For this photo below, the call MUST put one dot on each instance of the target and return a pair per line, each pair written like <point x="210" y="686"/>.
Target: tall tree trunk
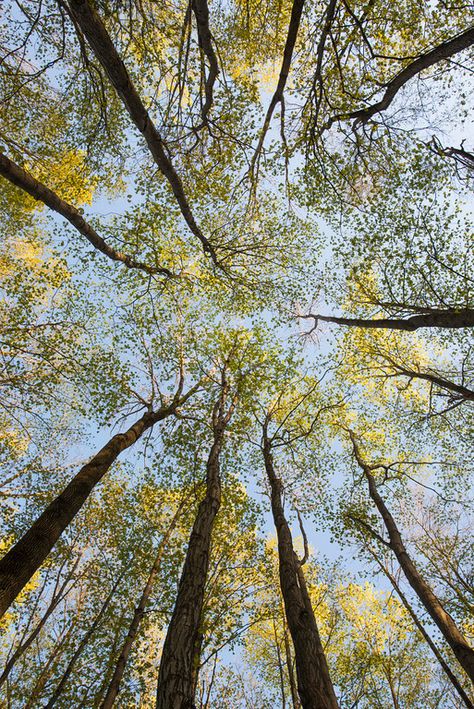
<point x="176" y="678"/>
<point x="107" y="672"/>
<point x="453" y="636"/>
<point x="114" y="685"/>
<point x="26" y="556"/>
<point x="80" y="648"/>
<point x="314" y="683"/>
<point x="290" y="669"/>
<point x="280" y="667"/>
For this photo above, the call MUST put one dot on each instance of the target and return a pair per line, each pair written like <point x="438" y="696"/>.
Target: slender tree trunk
<point x="177" y="673"/>
<point x="22" y="179"/>
<point x="58" y="594"/>
<point x="109" y="669"/>
<point x="80" y="648"/>
<point x="445" y="667"/>
<point x="289" y="665"/>
<point x="453" y="636"/>
<point x="114" y="685"/>
<point x="314" y="683"/>
<point x="86" y="17"/>
<point x="280" y="667"/>
<point x="43" y="677"/>
<point x="26" y="556"/>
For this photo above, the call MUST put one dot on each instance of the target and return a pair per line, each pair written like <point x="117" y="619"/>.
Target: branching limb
<point x="104" y="49"/>
<point x="22" y="179"/>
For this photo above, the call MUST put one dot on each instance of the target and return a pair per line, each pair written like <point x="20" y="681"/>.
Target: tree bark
<point x="453" y="318"/>
<point x="114" y="685"/>
<point x="58" y="594"/>
<point x="289" y="666"/>
<point x="36" y="189"/>
<point x="27" y="555"/>
<point x="453" y="636"/>
<point x="176" y="679"/>
<point x="314" y="683"/>
<point x="443" y="51"/>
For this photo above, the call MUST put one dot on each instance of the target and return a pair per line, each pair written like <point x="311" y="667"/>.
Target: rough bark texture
<point x="22" y="179"/>
<point x="291" y="674"/>
<point x="456" y="640"/>
<point x="314" y="683"/>
<point x="455" y="318"/>
<point x="27" y="555"/>
<point x="114" y="685"/>
<point x="177" y="676"/>
<point x="101" y="44"/>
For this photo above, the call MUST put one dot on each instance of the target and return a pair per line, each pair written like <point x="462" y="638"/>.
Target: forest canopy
<point x="236" y="374"/>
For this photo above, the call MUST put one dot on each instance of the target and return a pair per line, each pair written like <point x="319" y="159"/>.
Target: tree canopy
<point x="236" y="374"/>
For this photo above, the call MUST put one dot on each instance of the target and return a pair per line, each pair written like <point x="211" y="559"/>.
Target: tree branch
<point x="22" y="179"/>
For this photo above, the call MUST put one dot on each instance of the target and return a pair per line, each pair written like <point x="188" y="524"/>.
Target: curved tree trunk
<point x="22" y="179"/>
<point x="314" y="683"/>
<point x="444" y="665"/>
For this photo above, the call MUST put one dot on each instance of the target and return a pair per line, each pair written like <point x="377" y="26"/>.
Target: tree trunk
<point x="81" y="646"/>
<point x="59" y="592"/>
<point x="455" y="639"/>
<point x="26" y="556"/>
<point x="176" y="678"/>
<point x="314" y="683"/>
<point x="114" y="685"/>
<point x="29" y="184"/>
<point x="280" y="666"/>
<point x="289" y="665"/>
<point x="448" y="318"/>
<point x="101" y="44"/>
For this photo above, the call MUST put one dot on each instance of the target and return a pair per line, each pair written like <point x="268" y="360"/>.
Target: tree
<point x="184" y="189"/>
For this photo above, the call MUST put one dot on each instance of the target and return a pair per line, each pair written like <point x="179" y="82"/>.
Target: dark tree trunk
<point x="455" y="639"/>
<point x="91" y="25"/>
<point x="26" y="556"/>
<point x="289" y="665"/>
<point x="314" y="683"/>
<point x="176" y="678"/>
<point x="114" y="685"/>
<point x="448" y="318"/>
<point x="59" y="592"/>
<point x="22" y="179"/>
